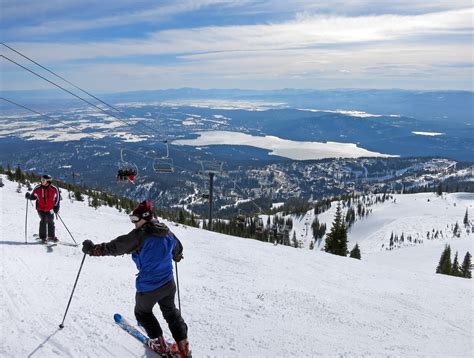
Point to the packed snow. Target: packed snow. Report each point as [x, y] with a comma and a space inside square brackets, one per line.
[240, 298]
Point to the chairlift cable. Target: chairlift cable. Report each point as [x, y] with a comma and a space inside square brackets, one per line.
[251, 200]
[80, 130]
[75, 86]
[86, 92]
[157, 136]
[62, 78]
[49, 117]
[79, 97]
[71, 126]
[66, 90]
[83, 99]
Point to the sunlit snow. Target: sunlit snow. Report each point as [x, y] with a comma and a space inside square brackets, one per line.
[239, 297]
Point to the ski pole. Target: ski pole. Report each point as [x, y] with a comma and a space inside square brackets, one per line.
[26, 223]
[72, 293]
[177, 284]
[60, 218]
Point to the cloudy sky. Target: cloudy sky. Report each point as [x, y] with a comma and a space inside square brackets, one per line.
[124, 45]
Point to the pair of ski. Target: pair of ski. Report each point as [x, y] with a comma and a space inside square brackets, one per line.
[134, 332]
[50, 243]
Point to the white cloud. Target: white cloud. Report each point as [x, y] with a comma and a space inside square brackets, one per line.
[306, 49]
[121, 17]
[303, 33]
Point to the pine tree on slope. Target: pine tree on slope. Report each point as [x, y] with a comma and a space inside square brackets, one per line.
[294, 241]
[455, 269]
[336, 240]
[78, 196]
[466, 266]
[457, 230]
[355, 253]
[444, 266]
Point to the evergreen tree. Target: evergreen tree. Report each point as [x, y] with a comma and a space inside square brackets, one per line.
[444, 266]
[78, 196]
[336, 240]
[457, 230]
[466, 219]
[95, 202]
[455, 269]
[322, 231]
[193, 222]
[18, 174]
[350, 216]
[181, 218]
[294, 241]
[355, 252]
[466, 266]
[10, 175]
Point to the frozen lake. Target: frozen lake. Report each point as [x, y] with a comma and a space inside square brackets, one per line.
[282, 147]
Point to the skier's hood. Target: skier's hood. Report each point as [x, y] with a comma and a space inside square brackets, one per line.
[154, 227]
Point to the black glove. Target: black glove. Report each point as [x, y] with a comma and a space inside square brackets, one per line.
[89, 248]
[56, 209]
[27, 196]
[178, 257]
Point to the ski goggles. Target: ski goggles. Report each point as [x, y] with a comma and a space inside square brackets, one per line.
[134, 218]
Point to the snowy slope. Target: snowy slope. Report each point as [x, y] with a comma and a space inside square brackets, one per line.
[410, 214]
[240, 298]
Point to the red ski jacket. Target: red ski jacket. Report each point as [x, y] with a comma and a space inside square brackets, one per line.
[47, 197]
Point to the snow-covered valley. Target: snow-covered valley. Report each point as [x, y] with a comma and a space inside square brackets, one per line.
[242, 298]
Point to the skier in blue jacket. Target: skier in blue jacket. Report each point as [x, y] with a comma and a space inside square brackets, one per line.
[153, 247]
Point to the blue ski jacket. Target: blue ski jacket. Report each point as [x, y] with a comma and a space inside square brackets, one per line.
[154, 262]
[153, 247]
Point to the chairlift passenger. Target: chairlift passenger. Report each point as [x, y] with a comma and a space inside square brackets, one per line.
[124, 174]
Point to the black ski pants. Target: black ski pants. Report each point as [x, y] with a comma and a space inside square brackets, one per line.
[164, 296]
[46, 221]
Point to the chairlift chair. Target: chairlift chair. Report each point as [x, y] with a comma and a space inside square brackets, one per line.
[164, 164]
[211, 166]
[126, 170]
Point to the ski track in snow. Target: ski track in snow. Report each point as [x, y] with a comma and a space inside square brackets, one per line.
[240, 298]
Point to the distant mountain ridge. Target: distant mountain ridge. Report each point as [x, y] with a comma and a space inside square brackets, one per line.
[452, 106]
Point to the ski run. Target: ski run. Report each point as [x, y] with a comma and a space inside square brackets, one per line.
[244, 298]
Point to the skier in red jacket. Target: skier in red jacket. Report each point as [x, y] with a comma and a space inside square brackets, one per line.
[47, 198]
